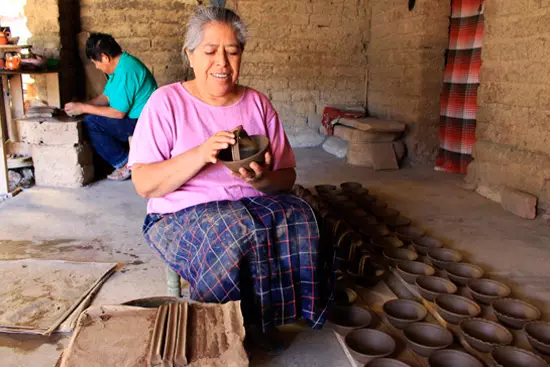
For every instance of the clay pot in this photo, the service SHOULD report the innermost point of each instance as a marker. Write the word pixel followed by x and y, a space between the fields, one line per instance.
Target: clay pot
pixel 246 150
pixel 425 244
pixel 514 313
pixel 431 286
pixel 386 362
pixel 462 273
pixel 398 255
pixel 516 357
pixel 487 290
pixel 455 308
pixel 351 186
pixel 384 213
pixel 402 312
pixel 443 257
pixel 372 230
pixel 453 358
pixel 410 270
pixel 346 319
pixel 409 233
pixel 425 338
pixel 396 222
pixel 367 344
pixel 383 242
pixel 368 272
pixel 484 335
pixel 324 188
pixel 538 334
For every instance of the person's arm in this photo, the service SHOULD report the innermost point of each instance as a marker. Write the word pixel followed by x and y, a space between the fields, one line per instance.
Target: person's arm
pixel 101 100
pixel 153 180
pixel 97 106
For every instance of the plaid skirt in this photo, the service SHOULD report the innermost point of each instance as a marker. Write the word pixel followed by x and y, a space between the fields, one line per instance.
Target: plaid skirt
pixel 262 250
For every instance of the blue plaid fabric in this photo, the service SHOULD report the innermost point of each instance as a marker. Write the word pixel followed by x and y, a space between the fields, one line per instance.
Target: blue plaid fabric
pixel 274 240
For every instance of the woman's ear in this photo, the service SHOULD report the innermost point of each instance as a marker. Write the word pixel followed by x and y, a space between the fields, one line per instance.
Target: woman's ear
pixel 189 57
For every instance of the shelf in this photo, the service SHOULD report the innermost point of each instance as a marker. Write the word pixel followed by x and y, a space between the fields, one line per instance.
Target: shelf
pixel 8 48
pixel 28 71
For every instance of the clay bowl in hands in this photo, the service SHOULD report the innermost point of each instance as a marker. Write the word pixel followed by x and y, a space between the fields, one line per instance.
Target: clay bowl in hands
pixel 485 335
pixel 351 186
pixel 409 233
pixel 425 338
pixel 410 270
pixel 402 312
pixel 425 244
pixel 399 255
pixel 367 344
pixel 462 273
pixel 443 257
pixel 346 319
pixel 431 286
pixel 386 362
pixel 487 290
pixel 455 308
pixel 516 357
pixel 453 358
pixel 225 156
pixel 514 313
pixel 538 334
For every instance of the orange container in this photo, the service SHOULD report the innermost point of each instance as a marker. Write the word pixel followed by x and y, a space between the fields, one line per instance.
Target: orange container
pixel 13 61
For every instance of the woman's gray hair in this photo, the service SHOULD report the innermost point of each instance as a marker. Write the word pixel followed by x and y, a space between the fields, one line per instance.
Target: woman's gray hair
pixel 205 15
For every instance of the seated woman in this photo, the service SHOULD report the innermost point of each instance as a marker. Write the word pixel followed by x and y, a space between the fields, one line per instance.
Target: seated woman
pixel 231 236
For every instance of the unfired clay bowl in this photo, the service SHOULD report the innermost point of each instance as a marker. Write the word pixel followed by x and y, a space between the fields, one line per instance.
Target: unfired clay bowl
pixel 516 357
pixel 538 334
pixel 454 308
pixel 259 157
pixel 514 313
pixel 367 344
pixel 410 270
pixel 402 312
pixel 453 358
pixel 351 186
pixel 397 222
pixel 431 286
pixel 485 335
pixel 399 255
pixel 409 233
pixel 383 242
pixel 443 257
pixel 425 338
pixel 462 273
pixel 487 290
pixel 426 243
pixel 346 319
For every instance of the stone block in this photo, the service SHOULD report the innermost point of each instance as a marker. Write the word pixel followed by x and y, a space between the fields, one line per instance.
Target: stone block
pixel 352 135
pixel 315 121
pixel 379 156
pixel 335 146
pixel 305 138
pixel 50 131
pixel 520 203
pixel 63 166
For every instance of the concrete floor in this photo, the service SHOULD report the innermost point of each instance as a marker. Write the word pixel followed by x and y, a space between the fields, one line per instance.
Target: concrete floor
pixel 103 223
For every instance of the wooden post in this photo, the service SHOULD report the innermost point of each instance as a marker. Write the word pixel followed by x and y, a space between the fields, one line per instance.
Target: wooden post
pixel 18 103
pixel 3 131
pixel 54 97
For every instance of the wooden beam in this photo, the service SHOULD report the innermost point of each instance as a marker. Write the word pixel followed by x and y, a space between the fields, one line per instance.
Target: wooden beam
pixel 3 134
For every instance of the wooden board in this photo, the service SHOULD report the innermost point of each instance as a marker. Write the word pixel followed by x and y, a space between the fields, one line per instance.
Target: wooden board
pixel 373 124
pixel 3 137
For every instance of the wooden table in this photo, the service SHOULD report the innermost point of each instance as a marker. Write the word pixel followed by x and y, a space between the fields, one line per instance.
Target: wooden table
pixel 12 108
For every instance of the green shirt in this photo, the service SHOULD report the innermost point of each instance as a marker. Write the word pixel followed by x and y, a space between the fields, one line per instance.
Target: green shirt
pixel 130 86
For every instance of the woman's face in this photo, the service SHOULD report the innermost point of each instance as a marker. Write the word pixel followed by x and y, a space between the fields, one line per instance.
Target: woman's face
pixel 216 61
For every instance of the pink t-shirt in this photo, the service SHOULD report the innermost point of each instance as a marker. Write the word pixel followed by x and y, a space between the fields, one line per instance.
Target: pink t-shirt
pixel 173 121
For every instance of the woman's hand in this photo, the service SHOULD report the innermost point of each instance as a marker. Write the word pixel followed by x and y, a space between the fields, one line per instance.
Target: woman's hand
pixel 210 149
pixel 256 172
pixel 75 108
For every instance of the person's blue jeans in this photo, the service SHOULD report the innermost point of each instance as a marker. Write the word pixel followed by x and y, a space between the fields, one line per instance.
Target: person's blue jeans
pixel 109 137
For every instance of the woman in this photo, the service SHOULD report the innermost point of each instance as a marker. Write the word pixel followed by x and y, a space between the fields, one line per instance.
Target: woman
pixel 231 236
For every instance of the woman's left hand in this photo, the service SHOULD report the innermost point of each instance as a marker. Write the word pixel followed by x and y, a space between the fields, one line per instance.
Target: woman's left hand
pixel 256 171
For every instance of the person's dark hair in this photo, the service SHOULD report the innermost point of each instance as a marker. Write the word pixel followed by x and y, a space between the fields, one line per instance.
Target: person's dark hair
pixel 101 43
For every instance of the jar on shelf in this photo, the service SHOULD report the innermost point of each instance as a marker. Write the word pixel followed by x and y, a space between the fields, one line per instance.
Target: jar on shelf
pixel 13 61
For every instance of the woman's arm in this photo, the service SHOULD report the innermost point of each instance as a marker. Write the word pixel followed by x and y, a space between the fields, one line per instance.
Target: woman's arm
pixel 153 180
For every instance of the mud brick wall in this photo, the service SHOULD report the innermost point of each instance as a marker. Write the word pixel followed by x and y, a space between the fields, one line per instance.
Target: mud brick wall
pixel 406 65
pixel 513 128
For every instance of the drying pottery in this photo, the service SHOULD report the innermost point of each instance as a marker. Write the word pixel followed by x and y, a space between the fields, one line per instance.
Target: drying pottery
pixel 298 190
pixel 455 308
pixel 425 338
pixel 425 244
pixel 247 149
pixel 383 213
pixel 514 313
pixel 324 188
pixel 344 296
pixel 359 192
pixel 462 273
pixel 487 290
pixel 484 335
pixel 386 362
pixel 410 270
pixel 402 312
pixel 409 233
pixel 371 230
pixel 453 358
pixel 431 286
pixel 383 242
pixel 366 201
pixel 346 319
pixel 443 257
pixel 368 273
pixel 538 334
pixel 367 344
pixel 516 357
pixel 396 222
pixel 351 186
pixel 399 255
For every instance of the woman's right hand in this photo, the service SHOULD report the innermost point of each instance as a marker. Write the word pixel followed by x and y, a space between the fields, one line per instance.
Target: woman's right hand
pixel 219 141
